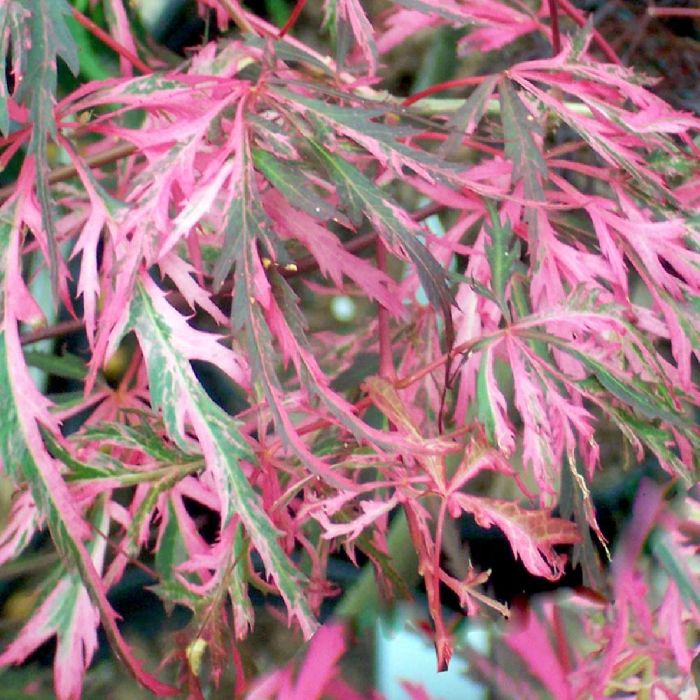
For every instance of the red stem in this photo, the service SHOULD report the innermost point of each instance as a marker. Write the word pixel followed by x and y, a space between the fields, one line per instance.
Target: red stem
pixel 554 19
pixel 560 638
pixel 441 87
pixel 292 18
pixel 106 39
pixel 580 19
pixel 469 143
pixel 62 328
pixel 672 12
pixel 119 549
pixel 439 362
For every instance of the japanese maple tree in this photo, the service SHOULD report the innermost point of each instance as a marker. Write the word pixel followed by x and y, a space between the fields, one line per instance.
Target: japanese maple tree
pixel 525 254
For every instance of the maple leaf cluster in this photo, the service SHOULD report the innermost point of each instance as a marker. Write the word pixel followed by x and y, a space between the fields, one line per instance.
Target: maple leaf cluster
pixel 526 262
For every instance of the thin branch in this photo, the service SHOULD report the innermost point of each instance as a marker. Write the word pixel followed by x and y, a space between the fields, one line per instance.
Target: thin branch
pixel 447 85
pixel 55 331
pixel 108 40
pixel 65 172
pixel 292 18
pixel 238 16
pixel 580 19
pixel 439 362
pixel 672 12
pixel 429 107
pixel 554 19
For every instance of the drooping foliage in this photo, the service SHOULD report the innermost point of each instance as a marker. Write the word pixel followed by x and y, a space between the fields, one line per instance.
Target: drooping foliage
pixel 528 254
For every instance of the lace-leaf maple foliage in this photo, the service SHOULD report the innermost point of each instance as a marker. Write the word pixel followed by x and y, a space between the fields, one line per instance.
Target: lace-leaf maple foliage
pixel 204 206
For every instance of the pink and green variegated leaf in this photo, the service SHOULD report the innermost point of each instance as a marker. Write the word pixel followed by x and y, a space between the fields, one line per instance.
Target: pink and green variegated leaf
pixel 386 398
pixel 492 409
pixel 49 39
pixel 168 345
pixel 395 227
pixel 532 533
pixel 65 610
pixel 371 511
pixel 180 272
pixel 498 23
pixel 614 151
pixel 12 18
pixel 364 125
pixel 22 523
pixel 178 544
pixel 497 14
pixel 248 314
pixel 649 399
pixel 348 20
pixel 24 455
pixel 448 9
pixel 226 559
pixel 538 439
pixel 662 442
pixel 333 260
pixel 101 213
pixel 247 226
pixel 141 437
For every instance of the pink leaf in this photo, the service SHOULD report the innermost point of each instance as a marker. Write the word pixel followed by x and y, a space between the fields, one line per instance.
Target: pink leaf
pixel 532 533
pixel 319 666
pixel 528 636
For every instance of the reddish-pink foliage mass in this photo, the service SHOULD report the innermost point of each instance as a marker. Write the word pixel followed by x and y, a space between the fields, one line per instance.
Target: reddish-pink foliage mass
pixel 525 257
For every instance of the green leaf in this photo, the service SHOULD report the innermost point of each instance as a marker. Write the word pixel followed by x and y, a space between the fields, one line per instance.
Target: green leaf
pixel 633 392
pixel 520 145
pixel 79 470
pixel 484 403
pixel 235 581
pixel 663 549
pixel 435 7
pixel 657 439
pixel 294 53
pixel 145 509
pixel 295 187
pixel 503 254
pixel 171 551
pixel 140 437
pixel 66 366
pixel 575 500
pixel 468 116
